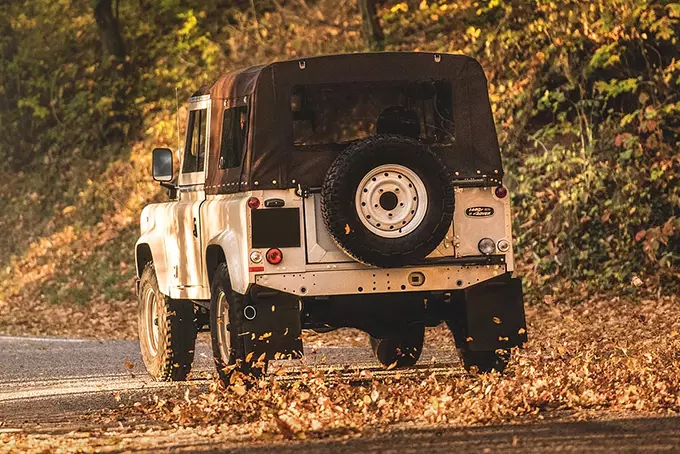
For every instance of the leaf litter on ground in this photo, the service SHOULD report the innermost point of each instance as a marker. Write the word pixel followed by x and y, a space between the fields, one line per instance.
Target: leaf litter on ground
pixel 597 356
pixel 599 359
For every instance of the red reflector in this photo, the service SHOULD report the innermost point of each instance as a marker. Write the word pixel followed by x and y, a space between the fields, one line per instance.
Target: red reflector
pixel 274 256
pixel 254 269
pixel 501 192
pixel 253 203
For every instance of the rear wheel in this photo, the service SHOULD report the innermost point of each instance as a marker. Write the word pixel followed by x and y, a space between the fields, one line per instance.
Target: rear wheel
pixel 400 351
pixel 226 319
pixel 167 333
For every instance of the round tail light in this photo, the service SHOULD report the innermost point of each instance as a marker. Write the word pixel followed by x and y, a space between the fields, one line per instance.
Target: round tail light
pixel 501 192
pixel 487 246
pixel 253 203
pixel 256 257
pixel 503 245
pixel 274 256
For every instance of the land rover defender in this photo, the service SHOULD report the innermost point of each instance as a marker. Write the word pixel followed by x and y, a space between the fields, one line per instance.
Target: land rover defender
pixel 361 190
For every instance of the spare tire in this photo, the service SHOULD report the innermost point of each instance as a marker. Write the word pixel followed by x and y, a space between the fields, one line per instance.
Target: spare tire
pixel 387 201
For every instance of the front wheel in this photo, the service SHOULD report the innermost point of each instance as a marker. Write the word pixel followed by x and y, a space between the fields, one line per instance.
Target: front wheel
pixel 226 319
pixel 400 351
pixel 167 332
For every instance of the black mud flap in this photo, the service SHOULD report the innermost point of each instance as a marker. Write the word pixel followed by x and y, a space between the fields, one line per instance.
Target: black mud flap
pixel 494 313
pixel 274 327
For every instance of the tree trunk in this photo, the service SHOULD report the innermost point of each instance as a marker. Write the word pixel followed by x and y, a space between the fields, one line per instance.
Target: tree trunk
pixel 109 30
pixel 373 33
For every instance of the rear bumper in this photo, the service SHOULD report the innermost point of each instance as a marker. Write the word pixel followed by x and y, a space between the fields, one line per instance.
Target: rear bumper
pixel 379 280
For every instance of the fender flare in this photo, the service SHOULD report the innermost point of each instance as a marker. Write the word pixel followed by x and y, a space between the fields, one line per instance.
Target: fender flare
pixel 148 248
pixel 234 251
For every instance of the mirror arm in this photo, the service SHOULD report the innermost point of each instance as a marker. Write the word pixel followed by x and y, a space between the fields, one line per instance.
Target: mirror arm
pixel 171 188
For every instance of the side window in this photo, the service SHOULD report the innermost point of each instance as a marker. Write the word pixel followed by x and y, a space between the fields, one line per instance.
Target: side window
pixel 234 137
pixel 194 149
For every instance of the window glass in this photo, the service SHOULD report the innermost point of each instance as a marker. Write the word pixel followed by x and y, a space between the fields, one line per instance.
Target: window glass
pixel 194 149
pixel 234 137
pixel 340 113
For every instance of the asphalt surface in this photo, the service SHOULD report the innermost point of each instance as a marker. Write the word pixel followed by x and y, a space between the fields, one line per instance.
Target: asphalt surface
pixel 48 380
pixel 53 379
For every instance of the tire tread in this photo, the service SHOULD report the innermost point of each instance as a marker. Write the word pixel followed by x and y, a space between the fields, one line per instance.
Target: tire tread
pixel 176 348
pixel 332 203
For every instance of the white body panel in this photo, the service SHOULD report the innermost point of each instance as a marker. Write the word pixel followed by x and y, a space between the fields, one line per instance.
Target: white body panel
pixel 320 246
pixel 469 230
pixel 338 281
pixel 225 221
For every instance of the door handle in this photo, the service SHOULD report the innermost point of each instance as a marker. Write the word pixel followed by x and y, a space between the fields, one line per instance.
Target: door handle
pixel 195 228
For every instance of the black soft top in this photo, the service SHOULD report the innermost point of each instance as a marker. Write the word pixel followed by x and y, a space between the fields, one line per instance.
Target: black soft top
pixel 273 161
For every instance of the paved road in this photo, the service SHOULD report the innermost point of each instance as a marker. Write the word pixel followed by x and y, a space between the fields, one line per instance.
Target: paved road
pixel 48 380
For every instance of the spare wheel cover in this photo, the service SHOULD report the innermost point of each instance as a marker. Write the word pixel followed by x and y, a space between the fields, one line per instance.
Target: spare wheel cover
pixel 387 201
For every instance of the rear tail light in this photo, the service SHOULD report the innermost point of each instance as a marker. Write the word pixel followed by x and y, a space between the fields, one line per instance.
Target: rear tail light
pixel 253 203
pixel 487 246
pixel 256 257
pixel 274 256
pixel 503 245
pixel 501 192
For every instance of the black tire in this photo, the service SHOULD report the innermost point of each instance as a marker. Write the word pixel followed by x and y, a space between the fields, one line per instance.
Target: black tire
pixel 167 332
pixel 340 214
pixel 403 351
pixel 482 362
pixel 226 319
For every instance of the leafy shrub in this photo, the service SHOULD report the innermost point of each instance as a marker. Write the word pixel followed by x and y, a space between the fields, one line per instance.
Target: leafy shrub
pixel 586 97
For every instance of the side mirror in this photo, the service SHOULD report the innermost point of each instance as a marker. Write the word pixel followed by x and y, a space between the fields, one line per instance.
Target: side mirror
pixel 162 165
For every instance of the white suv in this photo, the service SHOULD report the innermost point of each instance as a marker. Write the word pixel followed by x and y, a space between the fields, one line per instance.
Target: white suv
pixel 359 190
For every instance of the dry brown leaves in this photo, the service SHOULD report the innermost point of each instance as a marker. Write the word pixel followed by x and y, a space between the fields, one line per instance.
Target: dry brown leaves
pixel 76 278
pixel 581 361
pixel 596 360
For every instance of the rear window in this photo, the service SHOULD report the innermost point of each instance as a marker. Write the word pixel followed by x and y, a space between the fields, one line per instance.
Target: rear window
pixel 340 113
pixel 234 137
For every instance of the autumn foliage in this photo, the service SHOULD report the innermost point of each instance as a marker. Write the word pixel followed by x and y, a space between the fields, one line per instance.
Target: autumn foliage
pixel 585 97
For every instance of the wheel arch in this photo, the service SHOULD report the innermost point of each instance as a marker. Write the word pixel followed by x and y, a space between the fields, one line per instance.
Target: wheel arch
pixel 143 256
pixel 231 248
pixel 151 249
pixel 214 256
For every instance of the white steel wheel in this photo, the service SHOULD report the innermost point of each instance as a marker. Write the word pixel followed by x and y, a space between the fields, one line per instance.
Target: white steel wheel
pixel 391 201
pixel 400 201
pixel 151 317
pixel 167 332
pixel 223 335
pixel 226 319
